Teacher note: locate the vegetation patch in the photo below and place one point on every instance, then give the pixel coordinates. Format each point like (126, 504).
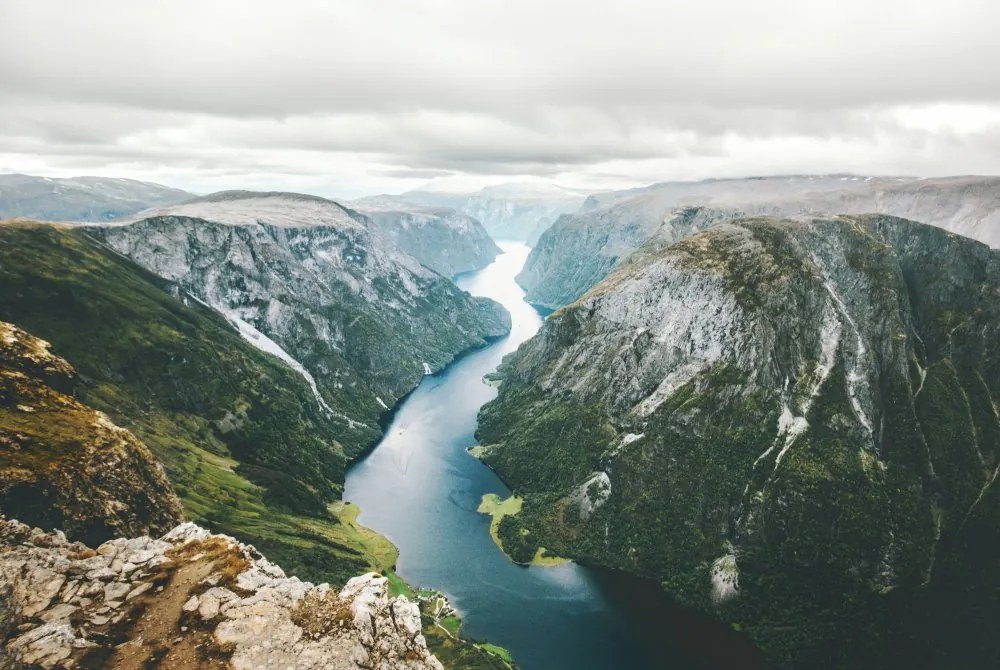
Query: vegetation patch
(497, 509)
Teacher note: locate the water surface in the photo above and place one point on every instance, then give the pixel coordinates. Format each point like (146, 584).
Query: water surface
(420, 488)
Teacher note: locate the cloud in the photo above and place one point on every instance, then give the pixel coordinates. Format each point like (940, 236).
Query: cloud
(357, 97)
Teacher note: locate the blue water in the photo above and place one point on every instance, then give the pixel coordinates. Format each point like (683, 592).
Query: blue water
(420, 488)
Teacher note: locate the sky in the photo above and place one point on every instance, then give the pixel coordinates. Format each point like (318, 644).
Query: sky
(347, 98)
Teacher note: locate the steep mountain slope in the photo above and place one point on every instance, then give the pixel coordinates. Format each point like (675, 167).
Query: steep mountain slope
(247, 447)
(508, 211)
(80, 198)
(580, 249)
(306, 279)
(445, 240)
(792, 425)
(65, 466)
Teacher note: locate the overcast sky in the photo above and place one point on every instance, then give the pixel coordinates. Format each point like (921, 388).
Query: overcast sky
(345, 97)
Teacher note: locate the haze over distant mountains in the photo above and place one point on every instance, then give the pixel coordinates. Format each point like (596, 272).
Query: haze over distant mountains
(519, 211)
(80, 198)
(579, 249)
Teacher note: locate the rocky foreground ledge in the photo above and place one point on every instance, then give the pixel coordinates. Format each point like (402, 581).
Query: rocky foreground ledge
(190, 599)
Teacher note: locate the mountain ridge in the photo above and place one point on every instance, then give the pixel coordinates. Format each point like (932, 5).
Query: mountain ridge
(579, 249)
(768, 408)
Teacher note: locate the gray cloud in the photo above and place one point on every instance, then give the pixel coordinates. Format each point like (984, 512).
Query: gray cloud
(363, 96)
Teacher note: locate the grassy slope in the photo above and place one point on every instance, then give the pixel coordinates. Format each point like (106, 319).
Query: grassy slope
(219, 414)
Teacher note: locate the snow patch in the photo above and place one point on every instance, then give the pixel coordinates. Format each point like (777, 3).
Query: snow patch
(381, 402)
(427, 369)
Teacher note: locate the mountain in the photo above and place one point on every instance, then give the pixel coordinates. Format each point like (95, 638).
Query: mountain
(516, 211)
(241, 431)
(580, 249)
(80, 198)
(246, 445)
(792, 425)
(308, 280)
(65, 465)
(444, 239)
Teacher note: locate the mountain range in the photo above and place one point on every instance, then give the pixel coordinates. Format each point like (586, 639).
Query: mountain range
(80, 198)
(579, 249)
(777, 398)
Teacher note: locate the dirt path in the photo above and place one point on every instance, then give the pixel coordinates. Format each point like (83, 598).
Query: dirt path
(155, 634)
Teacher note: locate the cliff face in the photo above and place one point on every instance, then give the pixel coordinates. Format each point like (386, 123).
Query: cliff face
(305, 279)
(191, 600)
(444, 239)
(580, 249)
(65, 465)
(792, 425)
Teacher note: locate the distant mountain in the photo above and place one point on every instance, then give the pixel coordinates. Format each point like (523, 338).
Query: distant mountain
(442, 238)
(80, 198)
(517, 211)
(580, 249)
(791, 424)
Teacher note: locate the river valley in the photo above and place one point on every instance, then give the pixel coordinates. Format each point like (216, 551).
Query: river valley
(420, 487)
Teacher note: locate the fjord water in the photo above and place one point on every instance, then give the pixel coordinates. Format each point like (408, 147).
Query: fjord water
(420, 488)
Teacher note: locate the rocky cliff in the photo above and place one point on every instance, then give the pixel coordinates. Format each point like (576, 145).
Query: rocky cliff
(80, 198)
(65, 465)
(444, 239)
(191, 599)
(305, 279)
(793, 425)
(580, 249)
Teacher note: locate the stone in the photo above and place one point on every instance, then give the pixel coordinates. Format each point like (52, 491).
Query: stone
(44, 586)
(255, 624)
(57, 612)
(102, 574)
(115, 591)
(208, 607)
(142, 556)
(138, 591)
(44, 646)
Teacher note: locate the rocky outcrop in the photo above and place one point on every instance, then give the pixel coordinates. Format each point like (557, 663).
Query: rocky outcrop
(444, 239)
(65, 465)
(581, 249)
(80, 198)
(191, 599)
(793, 425)
(306, 280)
